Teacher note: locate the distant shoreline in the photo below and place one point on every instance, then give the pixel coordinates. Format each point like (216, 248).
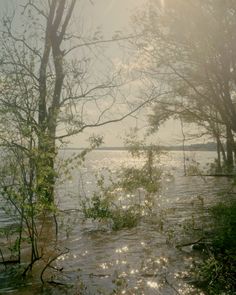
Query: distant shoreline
(210, 147)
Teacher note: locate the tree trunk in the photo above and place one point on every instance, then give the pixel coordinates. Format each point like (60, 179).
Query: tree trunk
(218, 155)
(57, 22)
(229, 148)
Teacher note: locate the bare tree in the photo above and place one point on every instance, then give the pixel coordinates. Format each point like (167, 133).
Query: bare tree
(47, 93)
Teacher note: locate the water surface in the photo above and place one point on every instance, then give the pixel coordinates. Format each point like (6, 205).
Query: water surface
(142, 260)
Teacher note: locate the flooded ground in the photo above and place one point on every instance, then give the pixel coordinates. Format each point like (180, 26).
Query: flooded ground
(141, 260)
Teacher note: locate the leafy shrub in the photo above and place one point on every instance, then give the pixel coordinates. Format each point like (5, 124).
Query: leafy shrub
(224, 230)
(125, 218)
(133, 178)
(98, 210)
(102, 208)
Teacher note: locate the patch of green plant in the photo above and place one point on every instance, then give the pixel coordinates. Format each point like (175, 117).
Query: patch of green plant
(125, 218)
(216, 275)
(148, 176)
(133, 178)
(225, 222)
(101, 208)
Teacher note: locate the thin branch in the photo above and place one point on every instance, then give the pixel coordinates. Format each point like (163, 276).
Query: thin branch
(30, 3)
(96, 42)
(50, 262)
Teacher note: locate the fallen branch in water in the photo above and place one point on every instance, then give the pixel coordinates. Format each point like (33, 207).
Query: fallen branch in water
(49, 265)
(189, 244)
(99, 275)
(56, 283)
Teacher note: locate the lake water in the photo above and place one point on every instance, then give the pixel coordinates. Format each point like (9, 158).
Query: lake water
(141, 260)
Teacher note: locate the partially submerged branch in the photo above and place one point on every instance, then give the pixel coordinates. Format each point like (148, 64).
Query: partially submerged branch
(50, 262)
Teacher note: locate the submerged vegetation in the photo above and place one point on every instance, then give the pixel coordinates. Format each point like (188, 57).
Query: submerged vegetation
(104, 210)
(130, 193)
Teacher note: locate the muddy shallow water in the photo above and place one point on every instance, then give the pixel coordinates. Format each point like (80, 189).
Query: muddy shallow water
(141, 260)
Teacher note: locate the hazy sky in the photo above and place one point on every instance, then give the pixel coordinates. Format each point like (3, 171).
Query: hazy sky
(111, 16)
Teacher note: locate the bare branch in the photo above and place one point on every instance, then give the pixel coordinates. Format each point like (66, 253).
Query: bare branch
(97, 42)
(99, 124)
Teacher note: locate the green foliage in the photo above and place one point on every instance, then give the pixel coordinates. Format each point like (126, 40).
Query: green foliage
(125, 218)
(102, 208)
(24, 198)
(98, 210)
(15, 248)
(225, 226)
(130, 179)
(147, 176)
(27, 181)
(216, 275)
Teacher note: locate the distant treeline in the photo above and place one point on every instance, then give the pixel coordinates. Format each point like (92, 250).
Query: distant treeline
(210, 146)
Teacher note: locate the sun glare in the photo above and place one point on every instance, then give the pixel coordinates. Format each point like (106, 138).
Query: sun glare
(162, 3)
